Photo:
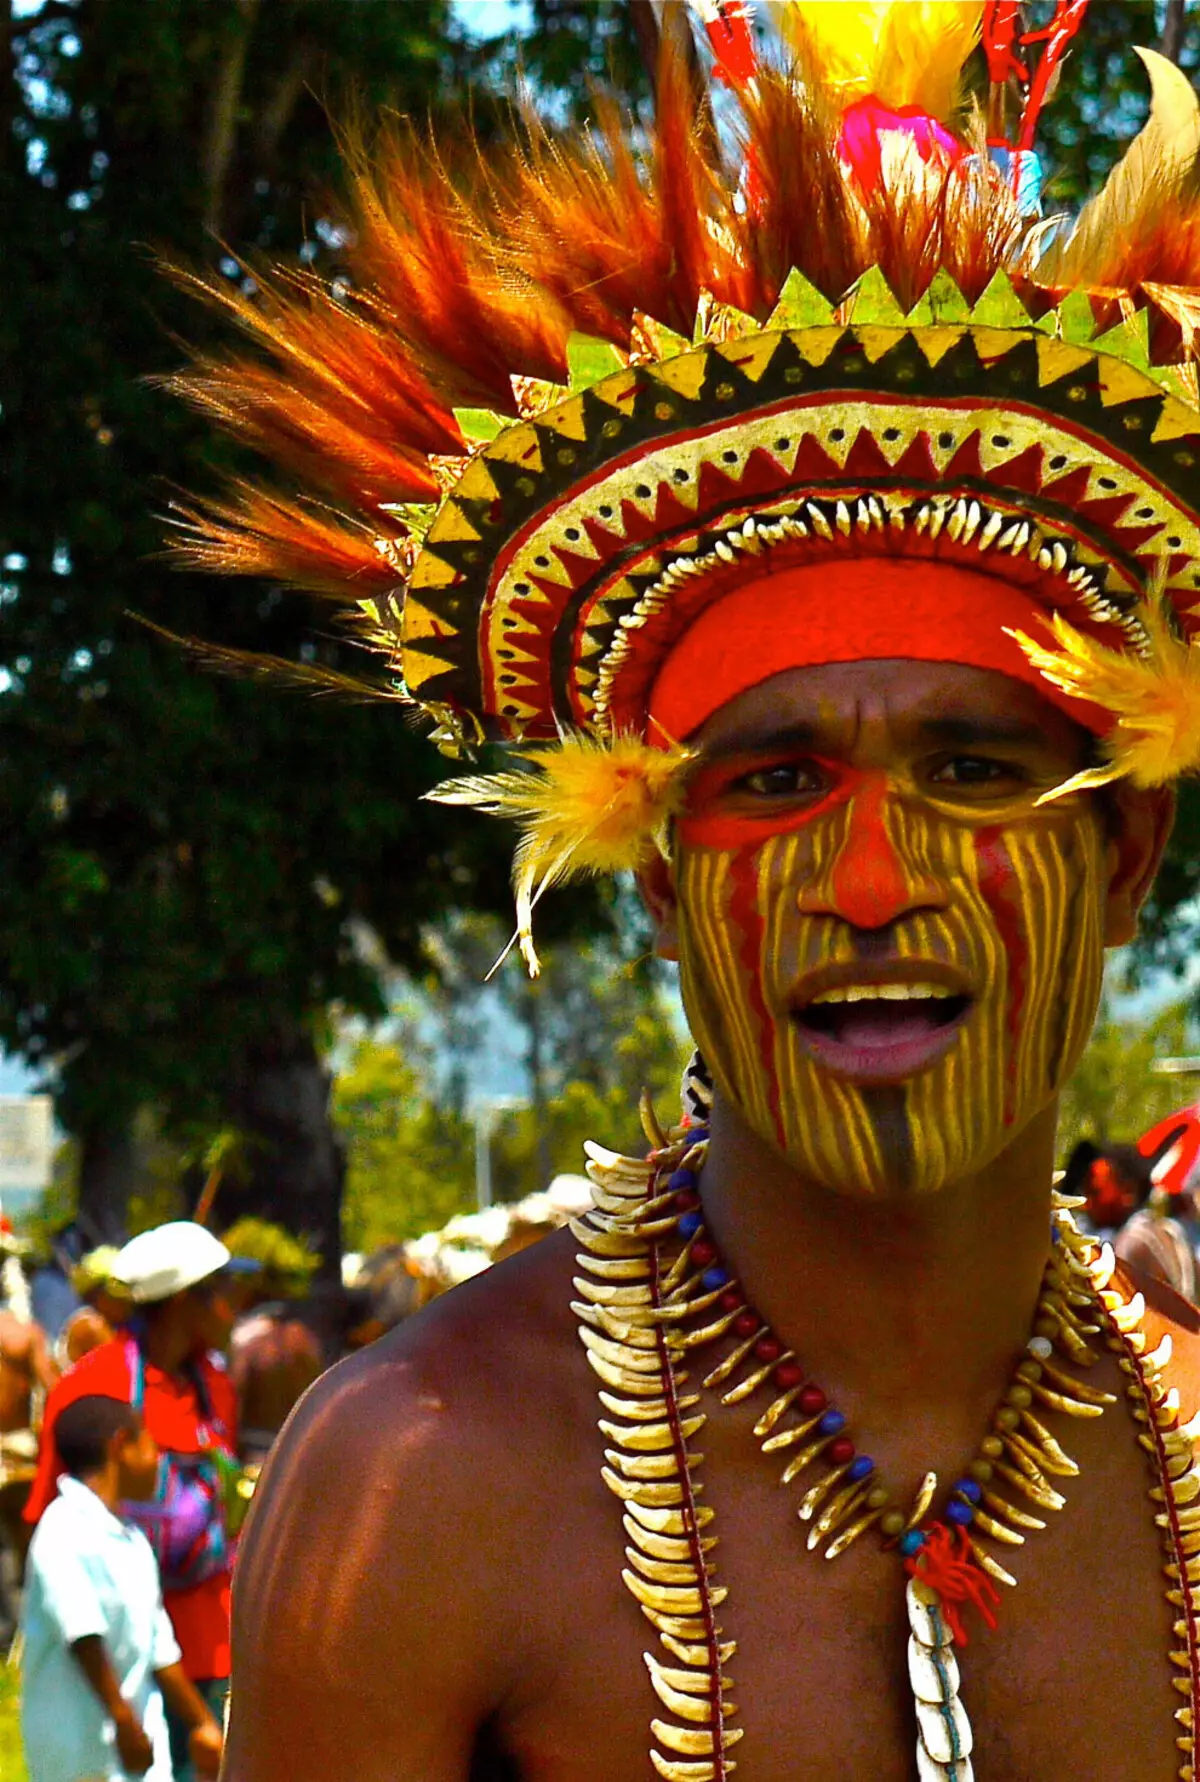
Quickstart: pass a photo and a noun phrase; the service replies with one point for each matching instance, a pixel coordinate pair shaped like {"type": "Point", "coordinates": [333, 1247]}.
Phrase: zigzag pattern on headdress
{"type": "Point", "coordinates": [462, 315]}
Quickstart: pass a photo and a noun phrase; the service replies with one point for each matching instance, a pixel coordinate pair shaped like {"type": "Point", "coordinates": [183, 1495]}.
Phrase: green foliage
{"type": "Point", "coordinates": [190, 860]}
{"type": "Point", "coordinates": [410, 1162]}
{"type": "Point", "coordinates": [599, 1027]}
{"type": "Point", "coordinates": [1113, 1094]}
{"type": "Point", "coordinates": [284, 1258]}
{"type": "Point", "coordinates": [1103, 96]}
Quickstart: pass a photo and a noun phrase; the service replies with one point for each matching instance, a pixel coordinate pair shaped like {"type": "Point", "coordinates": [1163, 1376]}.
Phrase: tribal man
{"type": "Point", "coordinates": [825, 532]}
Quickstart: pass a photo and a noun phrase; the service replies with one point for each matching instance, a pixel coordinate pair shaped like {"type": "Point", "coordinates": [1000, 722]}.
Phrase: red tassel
{"type": "Point", "coordinates": [946, 1565]}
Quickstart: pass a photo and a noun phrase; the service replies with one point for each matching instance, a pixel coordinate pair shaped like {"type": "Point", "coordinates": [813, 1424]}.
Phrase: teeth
{"type": "Point", "coordinates": [883, 993]}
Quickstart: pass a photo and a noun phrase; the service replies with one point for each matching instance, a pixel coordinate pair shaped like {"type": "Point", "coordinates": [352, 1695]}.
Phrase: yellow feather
{"type": "Point", "coordinates": [1156, 160]}
{"type": "Point", "coordinates": [1154, 697]}
{"type": "Point", "coordinates": [591, 806]}
{"type": "Point", "coordinates": [901, 52]}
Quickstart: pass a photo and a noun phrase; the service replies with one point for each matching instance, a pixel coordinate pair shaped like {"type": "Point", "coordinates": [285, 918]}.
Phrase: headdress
{"type": "Point", "coordinates": [636, 398]}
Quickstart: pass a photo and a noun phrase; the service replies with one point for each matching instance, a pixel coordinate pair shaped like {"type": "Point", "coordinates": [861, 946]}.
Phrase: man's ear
{"type": "Point", "coordinates": [657, 886]}
{"type": "Point", "coordinates": [1140, 822]}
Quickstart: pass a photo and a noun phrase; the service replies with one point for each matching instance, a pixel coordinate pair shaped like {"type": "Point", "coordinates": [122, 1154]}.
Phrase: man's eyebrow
{"type": "Point", "coordinates": [765, 738]}
{"type": "Point", "coordinates": [966, 730]}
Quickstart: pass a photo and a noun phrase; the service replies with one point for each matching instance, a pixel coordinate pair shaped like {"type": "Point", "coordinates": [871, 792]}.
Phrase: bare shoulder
{"type": "Point", "coordinates": [439, 1392]}
{"type": "Point", "coordinates": [402, 1497]}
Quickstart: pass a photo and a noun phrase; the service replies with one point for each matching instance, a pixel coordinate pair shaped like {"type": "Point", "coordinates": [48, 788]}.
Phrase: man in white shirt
{"type": "Point", "coordinates": [99, 1650]}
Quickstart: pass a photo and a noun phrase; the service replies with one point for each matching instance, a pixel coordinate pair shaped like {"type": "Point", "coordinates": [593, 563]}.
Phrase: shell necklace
{"type": "Point", "coordinates": [655, 1292]}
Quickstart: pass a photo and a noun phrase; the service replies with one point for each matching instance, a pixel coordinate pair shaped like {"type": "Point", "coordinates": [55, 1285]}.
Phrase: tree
{"type": "Point", "coordinates": [1113, 1094]}
{"type": "Point", "coordinates": [605, 1028]}
{"type": "Point", "coordinates": [191, 862]}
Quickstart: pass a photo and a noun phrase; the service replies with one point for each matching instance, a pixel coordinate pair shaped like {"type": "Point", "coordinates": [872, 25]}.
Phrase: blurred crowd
{"type": "Point", "coordinates": [141, 1391]}
{"type": "Point", "coordinates": [1143, 1198]}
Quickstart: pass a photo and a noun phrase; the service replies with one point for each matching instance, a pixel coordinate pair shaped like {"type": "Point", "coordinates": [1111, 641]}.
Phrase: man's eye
{"type": "Point", "coordinates": [975, 770]}
{"type": "Point", "coordinates": [788, 780]}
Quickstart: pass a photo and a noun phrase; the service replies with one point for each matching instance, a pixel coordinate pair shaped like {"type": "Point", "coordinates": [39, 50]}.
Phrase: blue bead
{"type": "Point", "coordinates": [689, 1224]}
{"type": "Point", "coordinates": [697, 1135]}
{"type": "Point", "coordinates": [912, 1542]}
{"type": "Point", "coordinates": [681, 1178]}
{"type": "Point", "coordinates": [832, 1423]}
{"type": "Point", "coordinates": [860, 1468]}
{"type": "Point", "coordinates": [958, 1512]}
{"type": "Point", "coordinates": [1055, 1235]}
{"type": "Point", "coordinates": [715, 1277]}
{"type": "Point", "coordinates": [969, 1488]}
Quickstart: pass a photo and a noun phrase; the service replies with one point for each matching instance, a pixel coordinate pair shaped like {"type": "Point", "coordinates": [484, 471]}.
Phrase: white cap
{"type": "Point", "coordinates": [172, 1257]}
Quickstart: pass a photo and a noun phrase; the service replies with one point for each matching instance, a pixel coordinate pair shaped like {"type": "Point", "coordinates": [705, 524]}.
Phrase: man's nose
{"type": "Point", "coordinates": [867, 882]}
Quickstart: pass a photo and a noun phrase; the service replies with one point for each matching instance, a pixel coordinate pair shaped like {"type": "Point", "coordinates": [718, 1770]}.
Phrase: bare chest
{"type": "Point", "coordinates": [1075, 1679]}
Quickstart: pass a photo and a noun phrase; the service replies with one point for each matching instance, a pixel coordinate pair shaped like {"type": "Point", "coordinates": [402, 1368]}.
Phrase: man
{"type": "Point", "coordinates": [772, 609]}
{"type": "Point", "coordinates": [274, 1357]}
{"type": "Point", "coordinates": [98, 1654]}
{"type": "Point", "coordinates": [103, 1308]}
{"type": "Point", "coordinates": [27, 1374]}
{"type": "Point", "coordinates": [162, 1363]}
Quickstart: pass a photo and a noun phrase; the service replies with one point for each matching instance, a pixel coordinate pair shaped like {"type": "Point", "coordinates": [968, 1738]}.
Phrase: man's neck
{"type": "Point", "coordinates": [910, 1312]}
{"type": "Point", "coordinates": [165, 1345]}
{"type": "Point", "coordinates": [105, 1483]}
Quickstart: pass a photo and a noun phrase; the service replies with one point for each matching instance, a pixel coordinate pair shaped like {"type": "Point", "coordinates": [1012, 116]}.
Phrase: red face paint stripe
{"type": "Point", "coordinates": [747, 917]}
{"type": "Point", "coordinates": [701, 827]}
{"type": "Point", "coordinates": [869, 884]}
{"type": "Point", "coordinates": [996, 885]}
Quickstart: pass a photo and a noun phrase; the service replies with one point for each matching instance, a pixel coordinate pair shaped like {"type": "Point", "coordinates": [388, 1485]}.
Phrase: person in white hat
{"type": "Point", "coordinates": [164, 1362]}
{"type": "Point", "coordinates": [164, 1262]}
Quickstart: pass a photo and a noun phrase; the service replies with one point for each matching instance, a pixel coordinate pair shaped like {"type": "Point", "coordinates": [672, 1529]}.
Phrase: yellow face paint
{"type": "Point", "coordinates": [883, 882]}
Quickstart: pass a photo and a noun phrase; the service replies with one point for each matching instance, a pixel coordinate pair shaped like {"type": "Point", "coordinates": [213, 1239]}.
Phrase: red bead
{"type": "Point", "coordinates": [731, 1301]}
{"type": "Point", "coordinates": [703, 1253]}
{"type": "Point", "coordinates": [747, 1324]}
{"type": "Point", "coordinates": [687, 1200]}
{"type": "Point", "coordinates": [788, 1374]}
{"type": "Point", "coordinates": [812, 1400]}
{"type": "Point", "coordinates": [841, 1451]}
{"type": "Point", "coordinates": [769, 1349]}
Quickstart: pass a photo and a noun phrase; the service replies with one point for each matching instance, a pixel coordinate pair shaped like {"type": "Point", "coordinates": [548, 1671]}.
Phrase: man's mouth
{"type": "Point", "coordinates": [880, 1031]}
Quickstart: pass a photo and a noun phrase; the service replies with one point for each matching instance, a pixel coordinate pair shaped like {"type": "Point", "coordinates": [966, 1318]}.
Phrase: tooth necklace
{"type": "Point", "coordinates": [655, 1292]}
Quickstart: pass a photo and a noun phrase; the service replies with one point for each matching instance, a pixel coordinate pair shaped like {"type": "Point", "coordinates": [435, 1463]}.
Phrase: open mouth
{"type": "Point", "coordinates": [880, 1031]}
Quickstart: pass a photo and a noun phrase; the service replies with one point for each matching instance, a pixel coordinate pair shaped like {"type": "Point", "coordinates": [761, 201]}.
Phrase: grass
{"type": "Point", "coordinates": [12, 1761]}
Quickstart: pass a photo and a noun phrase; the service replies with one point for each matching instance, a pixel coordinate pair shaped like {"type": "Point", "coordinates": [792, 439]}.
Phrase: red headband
{"type": "Point", "coordinates": [862, 610]}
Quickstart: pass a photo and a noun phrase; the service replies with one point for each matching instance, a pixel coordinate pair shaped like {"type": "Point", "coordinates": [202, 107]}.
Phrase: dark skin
{"type": "Point", "coordinates": [128, 1475]}
{"type": "Point", "coordinates": [181, 1328]}
{"type": "Point", "coordinates": [25, 1362]}
{"type": "Point", "coordinates": [481, 1631]}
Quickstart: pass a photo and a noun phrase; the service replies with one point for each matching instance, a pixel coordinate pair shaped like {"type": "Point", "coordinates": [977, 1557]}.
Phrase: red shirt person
{"type": "Point", "coordinates": [164, 1362]}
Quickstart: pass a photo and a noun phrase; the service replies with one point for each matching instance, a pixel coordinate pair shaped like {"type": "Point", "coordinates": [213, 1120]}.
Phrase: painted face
{"type": "Point", "coordinates": [890, 955]}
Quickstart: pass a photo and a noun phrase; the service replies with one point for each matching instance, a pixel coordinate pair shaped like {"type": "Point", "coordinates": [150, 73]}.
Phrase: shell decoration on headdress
{"type": "Point", "coordinates": [536, 429]}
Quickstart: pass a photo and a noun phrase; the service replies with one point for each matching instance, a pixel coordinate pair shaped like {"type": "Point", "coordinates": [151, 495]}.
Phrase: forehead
{"type": "Point", "coordinates": [910, 704]}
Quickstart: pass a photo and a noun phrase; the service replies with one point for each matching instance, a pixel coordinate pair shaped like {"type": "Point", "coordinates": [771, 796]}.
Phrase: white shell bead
{"type": "Point", "coordinates": [935, 1724]}
{"type": "Point", "coordinates": [929, 1771]}
{"type": "Point", "coordinates": [932, 1671]}
{"type": "Point", "coordinates": [926, 1619]}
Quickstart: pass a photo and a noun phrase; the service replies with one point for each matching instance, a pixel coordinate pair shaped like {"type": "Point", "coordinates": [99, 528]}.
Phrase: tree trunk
{"type": "Point", "coordinates": [1171, 42]}
{"type": "Point", "coordinates": [107, 1168]}
{"type": "Point", "coordinates": [280, 1101]}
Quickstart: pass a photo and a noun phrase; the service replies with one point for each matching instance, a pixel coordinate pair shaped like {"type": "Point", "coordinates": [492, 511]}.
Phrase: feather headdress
{"type": "Point", "coordinates": [538, 425]}
{"type": "Point", "coordinates": [587, 808]}
{"type": "Point", "coordinates": [1153, 693]}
